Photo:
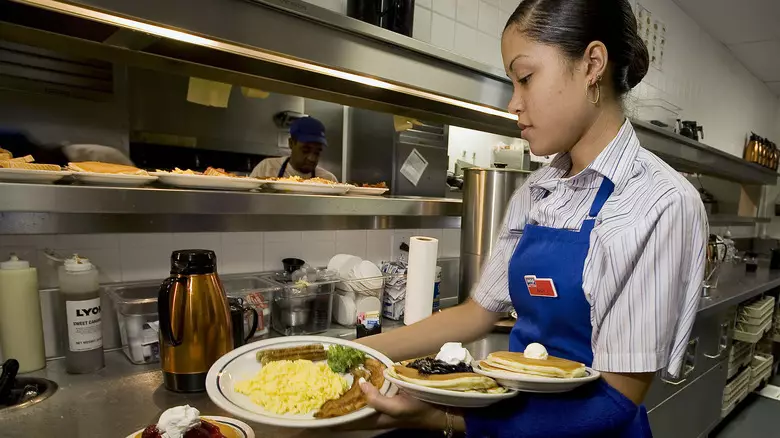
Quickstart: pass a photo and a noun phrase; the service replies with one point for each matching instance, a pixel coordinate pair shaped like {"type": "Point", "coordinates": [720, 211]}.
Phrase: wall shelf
{"type": "Point", "coordinates": [53, 209]}
{"type": "Point", "coordinates": [687, 155]}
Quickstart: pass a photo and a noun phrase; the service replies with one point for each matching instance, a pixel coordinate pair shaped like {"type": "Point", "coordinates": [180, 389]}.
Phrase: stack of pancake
{"type": "Point", "coordinates": [459, 381]}
{"type": "Point", "coordinates": [504, 361]}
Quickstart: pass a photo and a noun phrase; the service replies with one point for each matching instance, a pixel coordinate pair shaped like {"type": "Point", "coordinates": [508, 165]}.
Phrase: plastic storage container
{"type": "Point", "coordinates": [256, 293]}
{"type": "Point", "coordinates": [300, 308]}
{"type": "Point", "coordinates": [136, 314]}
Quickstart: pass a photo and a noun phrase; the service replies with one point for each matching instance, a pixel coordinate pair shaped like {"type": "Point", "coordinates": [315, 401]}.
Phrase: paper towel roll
{"type": "Point", "coordinates": [423, 252]}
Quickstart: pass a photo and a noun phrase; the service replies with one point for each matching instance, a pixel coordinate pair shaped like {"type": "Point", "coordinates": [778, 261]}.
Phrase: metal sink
{"type": "Point", "coordinates": [29, 391]}
{"type": "Point", "coordinates": [492, 342]}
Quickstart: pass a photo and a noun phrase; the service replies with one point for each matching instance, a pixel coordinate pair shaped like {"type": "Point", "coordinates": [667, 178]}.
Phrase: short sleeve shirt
{"type": "Point", "coordinates": [644, 269]}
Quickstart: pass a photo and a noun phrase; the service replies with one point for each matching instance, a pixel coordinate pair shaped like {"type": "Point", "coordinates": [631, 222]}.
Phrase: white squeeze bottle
{"type": "Point", "coordinates": [80, 298]}
{"type": "Point", "coordinates": [21, 329]}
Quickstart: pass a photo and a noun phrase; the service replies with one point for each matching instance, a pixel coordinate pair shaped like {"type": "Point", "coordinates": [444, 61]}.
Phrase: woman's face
{"type": "Point", "coordinates": [549, 94]}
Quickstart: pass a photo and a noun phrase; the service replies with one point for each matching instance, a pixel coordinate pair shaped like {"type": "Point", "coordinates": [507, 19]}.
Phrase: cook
{"type": "Point", "coordinates": [601, 253]}
{"type": "Point", "coordinates": [307, 140]}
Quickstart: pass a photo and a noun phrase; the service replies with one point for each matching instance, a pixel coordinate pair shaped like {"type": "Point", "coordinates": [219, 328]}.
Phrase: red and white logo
{"type": "Point", "coordinates": [540, 287]}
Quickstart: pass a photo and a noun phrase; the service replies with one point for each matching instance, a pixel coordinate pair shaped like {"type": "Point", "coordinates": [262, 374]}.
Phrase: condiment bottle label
{"type": "Point", "coordinates": [85, 328]}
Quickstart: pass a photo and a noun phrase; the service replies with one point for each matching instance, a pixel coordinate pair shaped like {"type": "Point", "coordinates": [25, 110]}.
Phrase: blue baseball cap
{"type": "Point", "coordinates": [308, 130]}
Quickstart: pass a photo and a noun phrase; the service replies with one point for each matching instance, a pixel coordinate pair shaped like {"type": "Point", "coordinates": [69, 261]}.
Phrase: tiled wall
{"type": "Point", "coordinates": [470, 28]}
{"type": "Point", "coordinates": [133, 257]}
{"type": "Point", "coordinates": [707, 81]}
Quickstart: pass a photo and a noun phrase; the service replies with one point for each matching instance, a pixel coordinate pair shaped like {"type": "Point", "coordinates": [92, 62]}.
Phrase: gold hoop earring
{"type": "Point", "coordinates": [598, 91]}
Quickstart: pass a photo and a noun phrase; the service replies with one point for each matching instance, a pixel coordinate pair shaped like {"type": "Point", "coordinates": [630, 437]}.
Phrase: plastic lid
{"type": "Point", "coordinates": [15, 263]}
{"type": "Point", "coordinates": [78, 264]}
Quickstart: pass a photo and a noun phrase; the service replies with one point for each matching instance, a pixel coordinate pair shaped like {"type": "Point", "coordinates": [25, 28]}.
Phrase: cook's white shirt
{"type": "Point", "coordinates": [644, 270]}
{"type": "Point", "coordinates": [270, 168]}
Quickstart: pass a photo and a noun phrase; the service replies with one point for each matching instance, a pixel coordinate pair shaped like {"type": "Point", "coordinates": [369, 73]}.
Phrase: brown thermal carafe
{"type": "Point", "coordinates": [195, 327]}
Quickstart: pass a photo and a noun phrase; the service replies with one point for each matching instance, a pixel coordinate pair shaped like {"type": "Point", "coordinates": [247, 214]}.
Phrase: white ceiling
{"type": "Point", "coordinates": [749, 28]}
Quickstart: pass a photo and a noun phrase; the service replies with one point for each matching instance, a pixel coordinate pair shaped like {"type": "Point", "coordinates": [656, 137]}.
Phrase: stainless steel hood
{"type": "Point", "coordinates": [268, 47]}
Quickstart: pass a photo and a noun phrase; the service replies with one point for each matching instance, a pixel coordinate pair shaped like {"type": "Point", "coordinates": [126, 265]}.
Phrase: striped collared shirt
{"type": "Point", "coordinates": [643, 273]}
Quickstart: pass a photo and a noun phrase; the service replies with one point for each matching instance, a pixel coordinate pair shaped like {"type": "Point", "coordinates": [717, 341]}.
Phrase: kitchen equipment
{"type": "Point", "coordinates": [486, 193]}
{"type": "Point", "coordinates": [751, 262]}
{"type": "Point", "coordinates": [240, 364]}
{"type": "Point", "coordinates": [303, 307]}
{"type": "Point", "coordinates": [195, 328]}
{"type": "Point", "coordinates": [774, 261]}
{"type": "Point", "coordinates": [394, 15]}
{"type": "Point", "coordinates": [716, 254]}
{"type": "Point", "coordinates": [692, 130]}
{"type": "Point", "coordinates": [80, 298]}
{"type": "Point", "coordinates": [257, 294]}
{"type": "Point", "coordinates": [291, 264]}
{"type": "Point", "coordinates": [21, 328]}
{"type": "Point", "coordinates": [136, 315]}
{"type": "Point", "coordinates": [659, 112]}
{"type": "Point", "coordinates": [238, 310]}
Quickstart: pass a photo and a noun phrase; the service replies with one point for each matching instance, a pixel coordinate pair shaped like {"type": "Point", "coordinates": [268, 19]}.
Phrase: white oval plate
{"type": "Point", "coordinates": [309, 188]}
{"type": "Point", "coordinates": [207, 181]}
{"type": "Point", "coordinates": [241, 364]}
{"type": "Point", "coordinates": [111, 179]}
{"type": "Point", "coordinates": [445, 397]}
{"type": "Point", "coordinates": [370, 191]}
{"type": "Point", "coordinates": [243, 429]}
{"type": "Point", "coordinates": [531, 383]}
{"type": "Point", "coordinates": [33, 176]}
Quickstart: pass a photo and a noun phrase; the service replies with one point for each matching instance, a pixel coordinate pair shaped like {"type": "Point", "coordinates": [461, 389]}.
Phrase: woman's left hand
{"type": "Point", "coordinates": [400, 411]}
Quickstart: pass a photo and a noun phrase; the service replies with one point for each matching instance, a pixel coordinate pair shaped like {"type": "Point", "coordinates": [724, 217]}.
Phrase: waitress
{"type": "Point", "coordinates": [620, 234]}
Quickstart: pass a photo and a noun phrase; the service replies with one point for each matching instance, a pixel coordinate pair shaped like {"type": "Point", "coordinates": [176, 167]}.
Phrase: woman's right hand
{"type": "Point", "coordinates": [401, 411]}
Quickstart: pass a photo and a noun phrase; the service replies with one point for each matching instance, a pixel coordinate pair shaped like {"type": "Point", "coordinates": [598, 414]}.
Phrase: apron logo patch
{"type": "Point", "coordinates": [540, 287]}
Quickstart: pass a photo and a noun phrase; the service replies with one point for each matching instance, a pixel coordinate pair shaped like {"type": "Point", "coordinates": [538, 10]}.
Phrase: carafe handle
{"type": "Point", "coordinates": [255, 318]}
{"type": "Point", "coordinates": [164, 311]}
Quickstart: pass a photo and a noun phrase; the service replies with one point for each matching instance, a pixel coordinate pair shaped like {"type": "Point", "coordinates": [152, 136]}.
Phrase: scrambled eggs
{"type": "Point", "coordinates": [293, 387]}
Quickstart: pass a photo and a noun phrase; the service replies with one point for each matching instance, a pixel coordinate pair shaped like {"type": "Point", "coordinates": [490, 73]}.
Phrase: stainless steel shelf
{"type": "Point", "coordinates": [45, 209]}
{"type": "Point", "coordinates": [688, 155]}
{"type": "Point", "coordinates": [720, 220]}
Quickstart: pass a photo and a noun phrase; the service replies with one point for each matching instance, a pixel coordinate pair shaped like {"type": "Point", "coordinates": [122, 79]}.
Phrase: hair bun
{"type": "Point", "coordinates": [639, 62]}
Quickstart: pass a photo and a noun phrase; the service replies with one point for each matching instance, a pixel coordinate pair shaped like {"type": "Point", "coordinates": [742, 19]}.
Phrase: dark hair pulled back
{"type": "Point", "coordinates": [571, 25]}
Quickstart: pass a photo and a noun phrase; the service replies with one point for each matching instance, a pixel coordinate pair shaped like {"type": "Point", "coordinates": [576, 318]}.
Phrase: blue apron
{"type": "Point", "coordinates": [562, 324]}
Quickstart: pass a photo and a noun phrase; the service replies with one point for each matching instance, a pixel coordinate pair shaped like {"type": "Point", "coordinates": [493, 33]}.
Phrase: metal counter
{"type": "Point", "coordinates": [123, 398]}
{"type": "Point", "coordinates": [735, 286]}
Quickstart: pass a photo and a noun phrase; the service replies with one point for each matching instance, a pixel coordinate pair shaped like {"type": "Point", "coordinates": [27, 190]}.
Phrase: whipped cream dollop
{"type": "Point", "coordinates": [453, 353]}
{"type": "Point", "coordinates": [535, 351]}
{"type": "Point", "coordinates": [175, 422]}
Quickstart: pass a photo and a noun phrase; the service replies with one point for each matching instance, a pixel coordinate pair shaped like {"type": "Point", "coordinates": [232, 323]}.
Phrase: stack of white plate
{"type": "Point", "coordinates": [360, 288]}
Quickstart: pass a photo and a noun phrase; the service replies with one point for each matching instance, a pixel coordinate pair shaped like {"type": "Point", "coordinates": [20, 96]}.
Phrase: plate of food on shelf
{"type": "Point", "coordinates": [109, 174]}
{"type": "Point", "coordinates": [26, 170]}
{"type": "Point", "coordinates": [314, 186]}
{"type": "Point", "coordinates": [534, 370]}
{"type": "Point", "coordinates": [298, 381]}
{"type": "Point", "coordinates": [186, 422]}
{"type": "Point", "coordinates": [212, 178]}
{"type": "Point", "coordinates": [378, 189]}
{"type": "Point", "coordinates": [448, 379]}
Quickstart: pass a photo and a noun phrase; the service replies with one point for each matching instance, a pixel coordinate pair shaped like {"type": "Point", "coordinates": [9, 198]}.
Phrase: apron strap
{"type": "Point", "coordinates": [284, 169]}
{"type": "Point", "coordinates": [605, 190]}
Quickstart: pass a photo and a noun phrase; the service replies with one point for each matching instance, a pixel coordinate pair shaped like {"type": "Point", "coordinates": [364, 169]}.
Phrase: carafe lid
{"type": "Point", "coordinates": [14, 263]}
{"type": "Point", "coordinates": [193, 261]}
{"type": "Point", "coordinates": [77, 264]}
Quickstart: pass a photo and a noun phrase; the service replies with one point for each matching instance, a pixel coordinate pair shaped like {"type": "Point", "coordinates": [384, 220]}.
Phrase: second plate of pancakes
{"type": "Point", "coordinates": [466, 390]}
{"type": "Point", "coordinates": [515, 371]}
